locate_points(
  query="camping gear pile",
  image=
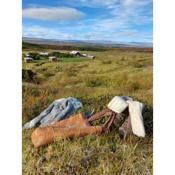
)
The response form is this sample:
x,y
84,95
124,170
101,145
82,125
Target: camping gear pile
x,y
58,121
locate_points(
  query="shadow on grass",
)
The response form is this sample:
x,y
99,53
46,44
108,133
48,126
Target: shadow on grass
x,y
148,120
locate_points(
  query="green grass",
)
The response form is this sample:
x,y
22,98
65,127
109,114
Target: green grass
x,y
94,82
74,59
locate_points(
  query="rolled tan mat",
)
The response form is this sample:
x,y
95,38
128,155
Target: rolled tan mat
x,y
76,132
73,127
42,136
78,119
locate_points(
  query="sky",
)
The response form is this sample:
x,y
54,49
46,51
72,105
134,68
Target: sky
x,y
94,20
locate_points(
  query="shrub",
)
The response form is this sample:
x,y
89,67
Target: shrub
x,y
39,64
23,55
94,82
138,64
28,75
34,55
48,74
107,62
61,55
133,86
33,111
122,58
71,71
97,49
35,92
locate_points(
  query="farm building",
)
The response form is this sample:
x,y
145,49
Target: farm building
x,y
44,53
27,55
28,59
52,58
84,55
76,53
88,56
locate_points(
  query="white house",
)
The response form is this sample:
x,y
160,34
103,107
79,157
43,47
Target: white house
x,y
28,59
76,53
52,58
84,55
27,55
91,56
88,56
44,53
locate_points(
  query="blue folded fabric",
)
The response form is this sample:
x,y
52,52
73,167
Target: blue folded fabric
x,y
58,110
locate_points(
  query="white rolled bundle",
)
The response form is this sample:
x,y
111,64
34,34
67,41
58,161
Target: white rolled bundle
x,y
137,123
117,104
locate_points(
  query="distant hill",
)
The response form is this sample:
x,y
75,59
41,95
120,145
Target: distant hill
x,y
61,46
85,43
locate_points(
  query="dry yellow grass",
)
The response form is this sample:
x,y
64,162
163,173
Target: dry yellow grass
x,y
94,82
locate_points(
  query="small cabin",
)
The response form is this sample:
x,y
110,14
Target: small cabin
x,y
28,59
52,58
27,55
44,53
88,56
91,56
84,55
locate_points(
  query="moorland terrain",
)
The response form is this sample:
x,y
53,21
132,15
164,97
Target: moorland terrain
x,y
114,71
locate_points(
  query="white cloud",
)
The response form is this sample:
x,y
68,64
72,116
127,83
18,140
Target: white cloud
x,y
52,13
130,2
105,3
44,32
55,33
100,2
92,3
136,2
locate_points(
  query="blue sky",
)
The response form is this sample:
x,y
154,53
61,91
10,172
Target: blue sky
x,y
98,20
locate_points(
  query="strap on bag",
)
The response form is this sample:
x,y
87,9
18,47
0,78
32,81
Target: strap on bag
x,y
100,114
105,112
109,122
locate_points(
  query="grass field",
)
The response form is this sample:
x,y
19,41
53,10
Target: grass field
x,y
115,71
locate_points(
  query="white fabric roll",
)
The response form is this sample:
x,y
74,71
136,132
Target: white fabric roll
x,y
137,123
117,104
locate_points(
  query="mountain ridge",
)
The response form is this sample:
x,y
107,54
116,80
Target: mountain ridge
x,y
86,42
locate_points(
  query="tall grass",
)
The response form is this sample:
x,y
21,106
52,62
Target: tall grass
x,y
94,82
